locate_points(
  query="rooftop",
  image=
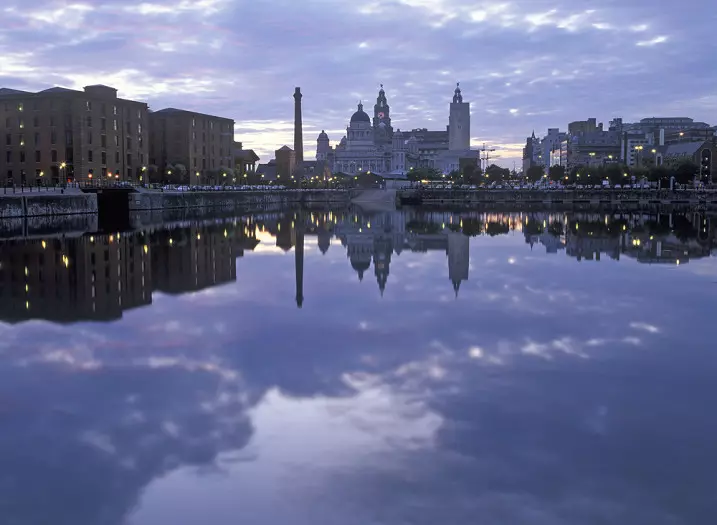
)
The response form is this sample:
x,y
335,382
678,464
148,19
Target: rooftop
x,y
175,111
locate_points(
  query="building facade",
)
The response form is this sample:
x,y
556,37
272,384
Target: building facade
x,y
195,147
372,144
61,134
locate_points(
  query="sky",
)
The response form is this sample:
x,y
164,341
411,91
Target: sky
x,y
522,64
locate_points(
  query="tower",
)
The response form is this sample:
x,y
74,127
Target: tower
x,y
459,122
383,132
458,258
323,147
298,133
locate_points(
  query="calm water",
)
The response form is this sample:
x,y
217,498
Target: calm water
x,y
442,369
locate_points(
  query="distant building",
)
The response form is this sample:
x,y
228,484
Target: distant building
x,y
244,160
701,152
371,144
200,144
285,162
63,134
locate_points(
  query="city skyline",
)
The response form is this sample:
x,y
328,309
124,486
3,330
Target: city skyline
x,y
538,65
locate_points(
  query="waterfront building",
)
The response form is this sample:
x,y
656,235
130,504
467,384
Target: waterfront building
x,y
62,134
196,147
285,159
372,145
244,159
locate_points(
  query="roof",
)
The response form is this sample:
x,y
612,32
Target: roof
x,y
8,91
683,148
175,111
58,89
285,148
246,154
360,115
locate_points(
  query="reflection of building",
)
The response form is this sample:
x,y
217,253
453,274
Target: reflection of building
x,y
93,277
458,258
191,259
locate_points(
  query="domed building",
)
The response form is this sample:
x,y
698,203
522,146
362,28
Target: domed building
x,y
370,144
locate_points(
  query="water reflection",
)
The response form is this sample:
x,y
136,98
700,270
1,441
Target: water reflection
x,y
98,276
443,368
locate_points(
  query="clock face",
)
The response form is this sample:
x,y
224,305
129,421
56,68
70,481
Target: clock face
x,y
381,114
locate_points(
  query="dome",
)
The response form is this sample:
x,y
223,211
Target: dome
x,y
323,136
360,115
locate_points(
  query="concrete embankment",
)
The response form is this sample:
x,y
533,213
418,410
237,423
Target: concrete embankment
x,y
706,200
245,200
46,204
54,204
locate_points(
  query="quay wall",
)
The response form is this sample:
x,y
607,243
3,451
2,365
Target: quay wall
x,y
707,200
47,205
245,200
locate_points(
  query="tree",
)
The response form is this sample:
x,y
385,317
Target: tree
x,y
685,171
614,173
556,173
495,173
471,174
535,173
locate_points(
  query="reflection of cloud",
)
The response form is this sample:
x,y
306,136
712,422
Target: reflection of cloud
x,y
646,327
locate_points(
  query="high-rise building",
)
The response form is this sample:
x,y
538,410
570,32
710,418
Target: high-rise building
x,y
64,134
198,146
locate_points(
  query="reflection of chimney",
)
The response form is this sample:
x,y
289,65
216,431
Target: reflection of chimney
x,y
298,134
299,258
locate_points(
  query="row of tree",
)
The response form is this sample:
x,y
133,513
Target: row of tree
x,y
684,172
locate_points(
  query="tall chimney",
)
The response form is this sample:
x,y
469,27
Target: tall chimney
x,y
298,134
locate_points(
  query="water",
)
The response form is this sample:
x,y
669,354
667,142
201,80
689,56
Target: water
x,y
429,377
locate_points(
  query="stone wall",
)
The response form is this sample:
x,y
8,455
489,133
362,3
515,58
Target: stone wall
x,y
47,204
246,200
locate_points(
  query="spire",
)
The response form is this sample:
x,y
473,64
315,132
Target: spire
x,y
533,135
456,286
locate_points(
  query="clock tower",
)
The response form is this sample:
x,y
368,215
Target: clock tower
x,y
383,132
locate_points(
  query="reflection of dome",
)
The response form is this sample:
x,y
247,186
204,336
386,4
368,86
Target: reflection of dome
x,y
360,266
323,135
360,115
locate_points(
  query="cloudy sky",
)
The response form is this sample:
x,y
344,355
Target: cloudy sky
x,y
523,64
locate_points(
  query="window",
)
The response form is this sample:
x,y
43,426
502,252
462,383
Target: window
x,y
128,128
9,174
36,122
37,138
141,158
204,150
129,173
8,139
194,135
211,125
38,155
104,157
22,140
114,124
129,159
8,122
194,123
204,164
89,121
116,141
117,157
53,155
139,129
103,108
139,114
104,172
89,137
103,141
195,162
68,138
103,124
22,124
8,156
114,110
20,106
22,155
129,143
88,105
89,155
